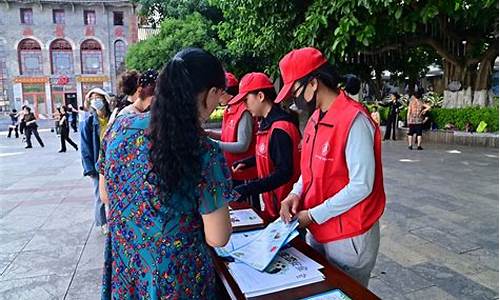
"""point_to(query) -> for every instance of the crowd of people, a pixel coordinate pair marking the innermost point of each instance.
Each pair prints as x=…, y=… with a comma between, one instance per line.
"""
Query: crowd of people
x=162, y=183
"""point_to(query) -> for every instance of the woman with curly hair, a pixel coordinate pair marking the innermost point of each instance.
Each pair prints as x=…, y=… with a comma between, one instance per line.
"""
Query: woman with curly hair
x=167, y=186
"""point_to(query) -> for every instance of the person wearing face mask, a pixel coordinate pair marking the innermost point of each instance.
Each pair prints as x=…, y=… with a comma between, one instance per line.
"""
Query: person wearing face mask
x=167, y=186
x=237, y=136
x=340, y=195
x=277, y=153
x=92, y=132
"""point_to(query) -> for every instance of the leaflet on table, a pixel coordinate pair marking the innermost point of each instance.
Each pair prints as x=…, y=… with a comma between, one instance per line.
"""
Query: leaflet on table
x=290, y=269
x=331, y=295
x=240, y=239
x=244, y=217
x=264, y=247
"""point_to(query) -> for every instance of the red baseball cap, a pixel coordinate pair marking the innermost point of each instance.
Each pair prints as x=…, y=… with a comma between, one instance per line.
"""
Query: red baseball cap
x=295, y=65
x=252, y=82
x=231, y=80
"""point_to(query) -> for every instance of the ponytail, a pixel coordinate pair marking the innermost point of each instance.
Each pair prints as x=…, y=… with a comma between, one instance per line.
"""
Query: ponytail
x=175, y=127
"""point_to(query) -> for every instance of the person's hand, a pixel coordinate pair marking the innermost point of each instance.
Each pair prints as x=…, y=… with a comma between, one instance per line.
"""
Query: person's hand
x=289, y=207
x=238, y=168
x=304, y=219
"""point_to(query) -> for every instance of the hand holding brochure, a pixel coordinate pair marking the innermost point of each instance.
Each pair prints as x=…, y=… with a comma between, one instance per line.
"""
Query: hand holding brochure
x=264, y=247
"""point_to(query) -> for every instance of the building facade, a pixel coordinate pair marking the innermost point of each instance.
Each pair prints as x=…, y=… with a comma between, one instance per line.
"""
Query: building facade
x=52, y=52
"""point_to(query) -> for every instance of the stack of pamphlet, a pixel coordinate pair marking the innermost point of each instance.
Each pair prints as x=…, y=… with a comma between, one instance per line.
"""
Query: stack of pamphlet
x=244, y=217
x=290, y=269
x=261, y=265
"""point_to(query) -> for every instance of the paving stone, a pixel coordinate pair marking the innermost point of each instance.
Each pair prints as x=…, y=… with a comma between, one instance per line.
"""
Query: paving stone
x=454, y=283
x=50, y=287
x=399, y=278
x=447, y=240
x=432, y=292
x=383, y=290
x=43, y=262
x=86, y=285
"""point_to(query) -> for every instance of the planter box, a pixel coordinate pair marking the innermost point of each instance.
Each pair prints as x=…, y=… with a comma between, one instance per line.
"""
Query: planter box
x=453, y=137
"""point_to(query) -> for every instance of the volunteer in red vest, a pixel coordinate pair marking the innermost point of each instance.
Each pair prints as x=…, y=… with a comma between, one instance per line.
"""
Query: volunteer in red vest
x=237, y=138
x=340, y=195
x=277, y=153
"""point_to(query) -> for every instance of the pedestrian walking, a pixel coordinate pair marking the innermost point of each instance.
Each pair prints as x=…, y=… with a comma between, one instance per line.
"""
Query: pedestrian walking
x=392, y=118
x=93, y=129
x=277, y=153
x=340, y=195
x=64, y=128
x=31, y=128
x=168, y=187
x=73, y=114
x=14, y=119
x=416, y=114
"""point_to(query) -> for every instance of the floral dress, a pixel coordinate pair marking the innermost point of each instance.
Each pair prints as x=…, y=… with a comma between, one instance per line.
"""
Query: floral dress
x=157, y=250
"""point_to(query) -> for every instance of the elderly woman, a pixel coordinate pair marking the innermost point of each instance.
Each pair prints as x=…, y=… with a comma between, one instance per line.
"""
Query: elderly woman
x=92, y=132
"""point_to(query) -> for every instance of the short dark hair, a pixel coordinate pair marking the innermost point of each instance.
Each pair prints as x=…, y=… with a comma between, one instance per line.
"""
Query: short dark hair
x=418, y=94
x=269, y=93
x=232, y=90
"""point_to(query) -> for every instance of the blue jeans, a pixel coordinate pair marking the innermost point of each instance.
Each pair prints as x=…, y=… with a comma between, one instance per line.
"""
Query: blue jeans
x=100, y=208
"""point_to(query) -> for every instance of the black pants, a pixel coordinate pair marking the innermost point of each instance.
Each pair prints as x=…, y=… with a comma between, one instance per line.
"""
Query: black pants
x=22, y=126
x=253, y=200
x=65, y=138
x=391, y=125
x=13, y=129
x=73, y=124
x=34, y=131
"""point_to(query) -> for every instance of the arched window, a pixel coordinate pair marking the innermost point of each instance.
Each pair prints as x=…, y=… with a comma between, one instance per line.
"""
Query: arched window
x=61, y=55
x=91, y=53
x=30, y=58
x=120, y=50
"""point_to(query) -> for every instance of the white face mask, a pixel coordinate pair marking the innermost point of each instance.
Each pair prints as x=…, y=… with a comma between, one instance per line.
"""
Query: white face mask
x=97, y=103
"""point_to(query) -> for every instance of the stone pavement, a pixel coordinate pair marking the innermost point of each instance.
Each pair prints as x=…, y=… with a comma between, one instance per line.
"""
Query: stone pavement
x=439, y=232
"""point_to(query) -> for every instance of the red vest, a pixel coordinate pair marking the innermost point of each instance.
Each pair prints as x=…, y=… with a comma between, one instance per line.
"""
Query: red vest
x=324, y=171
x=230, y=121
x=272, y=200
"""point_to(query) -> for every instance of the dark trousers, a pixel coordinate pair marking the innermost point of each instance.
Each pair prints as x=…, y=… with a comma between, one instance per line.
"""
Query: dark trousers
x=13, y=129
x=65, y=138
x=73, y=124
x=391, y=125
x=34, y=131
x=253, y=200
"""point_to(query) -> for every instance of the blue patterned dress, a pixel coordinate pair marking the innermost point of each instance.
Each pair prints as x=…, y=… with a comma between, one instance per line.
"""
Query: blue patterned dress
x=156, y=251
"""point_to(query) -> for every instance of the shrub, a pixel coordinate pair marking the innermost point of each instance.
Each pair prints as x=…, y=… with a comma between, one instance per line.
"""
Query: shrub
x=216, y=116
x=460, y=116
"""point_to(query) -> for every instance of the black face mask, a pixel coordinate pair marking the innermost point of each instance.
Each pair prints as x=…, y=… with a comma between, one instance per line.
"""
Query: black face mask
x=302, y=104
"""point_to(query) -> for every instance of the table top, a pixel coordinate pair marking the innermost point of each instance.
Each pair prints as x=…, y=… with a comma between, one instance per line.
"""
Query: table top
x=335, y=278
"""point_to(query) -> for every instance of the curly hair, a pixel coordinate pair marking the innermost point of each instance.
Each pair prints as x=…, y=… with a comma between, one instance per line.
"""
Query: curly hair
x=128, y=82
x=175, y=127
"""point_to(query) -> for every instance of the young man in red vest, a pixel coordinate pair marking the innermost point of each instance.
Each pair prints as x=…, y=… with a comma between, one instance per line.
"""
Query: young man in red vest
x=277, y=153
x=340, y=195
x=238, y=134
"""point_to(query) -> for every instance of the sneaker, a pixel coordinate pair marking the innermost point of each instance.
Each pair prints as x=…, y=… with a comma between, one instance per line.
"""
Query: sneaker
x=410, y=147
x=104, y=229
x=28, y=147
x=60, y=151
x=420, y=148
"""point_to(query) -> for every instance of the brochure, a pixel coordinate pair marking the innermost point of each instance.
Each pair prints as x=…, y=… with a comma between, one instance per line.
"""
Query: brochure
x=330, y=295
x=240, y=239
x=244, y=217
x=290, y=269
x=264, y=247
